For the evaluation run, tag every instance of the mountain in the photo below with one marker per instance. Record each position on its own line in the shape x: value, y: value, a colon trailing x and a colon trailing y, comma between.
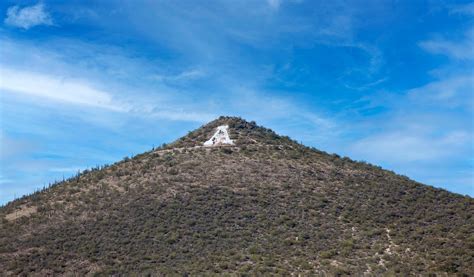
x: 250, y: 202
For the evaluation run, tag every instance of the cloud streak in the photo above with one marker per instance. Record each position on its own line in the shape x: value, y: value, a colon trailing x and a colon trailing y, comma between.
x: 466, y: 9
x: 461, y: 49
x: 55, y: 89
x: 28, y: 17
x: 406, y: 146
x: 274, y: 4
x: 58, y: 91
x: 449, y: 92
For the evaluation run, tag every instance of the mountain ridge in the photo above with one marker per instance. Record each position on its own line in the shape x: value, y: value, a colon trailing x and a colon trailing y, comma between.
x: 277, y: 206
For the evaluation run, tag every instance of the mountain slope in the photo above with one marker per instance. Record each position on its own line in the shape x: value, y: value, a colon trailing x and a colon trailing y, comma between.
x: 263, y: 205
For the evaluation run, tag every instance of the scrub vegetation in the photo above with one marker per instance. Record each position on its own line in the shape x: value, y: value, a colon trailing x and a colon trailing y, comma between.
x: 266, y: 205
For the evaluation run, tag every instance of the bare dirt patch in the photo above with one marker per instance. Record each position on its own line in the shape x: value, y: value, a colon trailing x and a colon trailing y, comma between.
x: 22, y: 211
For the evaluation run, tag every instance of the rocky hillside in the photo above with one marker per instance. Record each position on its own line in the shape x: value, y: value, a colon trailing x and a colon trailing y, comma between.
x: 264, y: 205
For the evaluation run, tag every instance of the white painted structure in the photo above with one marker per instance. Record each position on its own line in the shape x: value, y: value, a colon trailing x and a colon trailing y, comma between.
x: 221, y: 136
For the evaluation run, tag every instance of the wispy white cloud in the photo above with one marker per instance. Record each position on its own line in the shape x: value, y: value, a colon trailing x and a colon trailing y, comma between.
x: 274, y: 4
x: 93, y: 82
x: 28, y: 17
x: 408, y: 145
x: 368, y: 85
x: 413, y: 128
x: 187, y: 75
x: 427, y: 126
x: 461, y: 49
x: 67, y: 74
x: 62, y: 90
x: 450, y: 91
x: 467, y: 9
x: 183, y: 115
x: 56, y: 89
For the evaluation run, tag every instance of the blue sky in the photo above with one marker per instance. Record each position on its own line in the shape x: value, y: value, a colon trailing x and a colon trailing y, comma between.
x: 84, y: 83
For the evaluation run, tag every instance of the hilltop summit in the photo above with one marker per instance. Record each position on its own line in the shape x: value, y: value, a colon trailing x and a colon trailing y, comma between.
x: 240, y: 131
x: 262, y: 205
